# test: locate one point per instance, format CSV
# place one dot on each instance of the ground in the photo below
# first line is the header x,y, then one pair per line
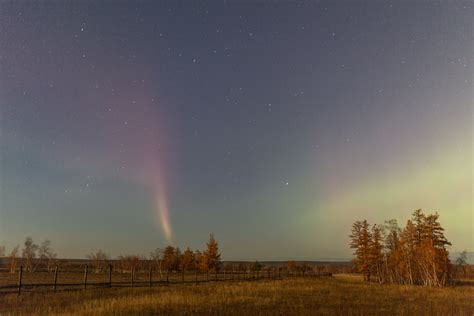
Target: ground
x,y
341,294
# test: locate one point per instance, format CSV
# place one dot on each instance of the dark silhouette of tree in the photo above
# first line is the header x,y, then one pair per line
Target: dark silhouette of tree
x,y
29,253
257,266
461,263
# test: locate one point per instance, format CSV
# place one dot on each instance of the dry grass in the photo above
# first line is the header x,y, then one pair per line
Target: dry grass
x,y
343,295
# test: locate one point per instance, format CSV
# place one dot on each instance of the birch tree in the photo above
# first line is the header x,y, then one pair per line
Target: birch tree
x,y
13,258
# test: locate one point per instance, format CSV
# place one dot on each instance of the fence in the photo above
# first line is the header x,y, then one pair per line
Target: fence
x,y
87,279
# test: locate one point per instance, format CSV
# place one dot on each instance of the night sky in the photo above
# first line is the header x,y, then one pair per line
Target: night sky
x,y
126,126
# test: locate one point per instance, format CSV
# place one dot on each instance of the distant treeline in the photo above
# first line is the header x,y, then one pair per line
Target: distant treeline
x,y
169,259
416,254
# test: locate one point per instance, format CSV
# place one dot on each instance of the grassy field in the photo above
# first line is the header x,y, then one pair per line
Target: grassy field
x,y
342,294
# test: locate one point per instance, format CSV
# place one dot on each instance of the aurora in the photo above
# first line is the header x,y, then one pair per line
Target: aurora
x,y
128,127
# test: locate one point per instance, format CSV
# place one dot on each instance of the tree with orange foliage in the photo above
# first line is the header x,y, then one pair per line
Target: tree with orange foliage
x,y
188,261
211,258
415,255
376,255
291,266
360,241
169,258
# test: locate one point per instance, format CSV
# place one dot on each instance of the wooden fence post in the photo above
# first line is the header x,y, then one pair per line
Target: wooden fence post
x,y
279,272
182,276
238,274
196,276
85,277
207,275
20,274
232,274
55,278
216,274
110,275
131,276
224,274
150,276
167,277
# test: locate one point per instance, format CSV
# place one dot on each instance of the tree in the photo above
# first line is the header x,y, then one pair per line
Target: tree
x,y
376,255
461,262
45,253
29,253
156,257
13,256
393,250
211,258
198,259
257,266
98,260
188,261
409,241
169,258
417,254
130,262
431,265
360,241
291,266
2,251
178,255
305,268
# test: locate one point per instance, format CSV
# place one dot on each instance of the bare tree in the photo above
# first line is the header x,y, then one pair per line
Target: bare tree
x,y
98,260
157,260
13,256
461,263
2,251
29,253
46,254
130,263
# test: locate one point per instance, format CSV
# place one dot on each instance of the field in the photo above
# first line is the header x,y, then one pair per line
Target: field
x,y
341,294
